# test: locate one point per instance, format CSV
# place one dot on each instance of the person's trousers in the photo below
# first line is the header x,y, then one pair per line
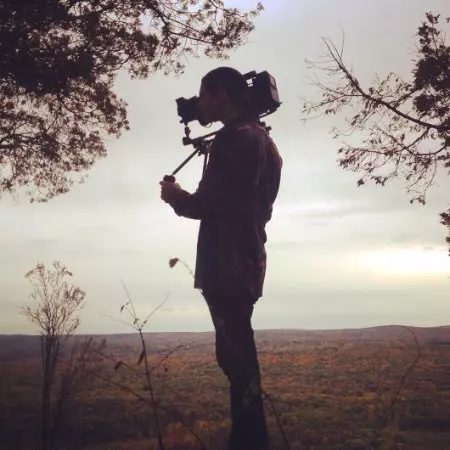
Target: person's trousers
x,y
237,357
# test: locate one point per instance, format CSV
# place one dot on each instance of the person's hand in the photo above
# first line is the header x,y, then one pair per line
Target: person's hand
x,y
168,189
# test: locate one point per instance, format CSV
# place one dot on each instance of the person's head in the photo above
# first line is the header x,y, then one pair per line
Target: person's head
x,y
224,96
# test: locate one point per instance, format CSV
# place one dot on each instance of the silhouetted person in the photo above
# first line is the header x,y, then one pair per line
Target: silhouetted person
x,y
234,202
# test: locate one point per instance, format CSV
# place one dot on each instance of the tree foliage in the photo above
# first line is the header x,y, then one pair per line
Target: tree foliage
x,y
405,124
59,62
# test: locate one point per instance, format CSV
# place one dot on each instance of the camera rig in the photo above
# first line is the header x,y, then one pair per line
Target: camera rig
x,y
264,100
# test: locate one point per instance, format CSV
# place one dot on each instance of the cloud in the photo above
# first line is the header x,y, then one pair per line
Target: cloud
x,y
115,226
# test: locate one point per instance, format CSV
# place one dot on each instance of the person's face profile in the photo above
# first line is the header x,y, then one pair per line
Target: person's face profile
x,y
210,105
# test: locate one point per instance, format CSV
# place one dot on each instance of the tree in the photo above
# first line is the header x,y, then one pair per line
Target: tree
x,y
55,315
406,124
59,62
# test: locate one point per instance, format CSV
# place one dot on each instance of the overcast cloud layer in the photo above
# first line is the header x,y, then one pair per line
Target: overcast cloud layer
x,y
338,256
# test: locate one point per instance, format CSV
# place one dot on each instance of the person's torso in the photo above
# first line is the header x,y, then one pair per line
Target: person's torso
x,y
231,247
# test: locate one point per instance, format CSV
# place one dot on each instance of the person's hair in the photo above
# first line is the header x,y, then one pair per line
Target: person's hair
x,y
234,84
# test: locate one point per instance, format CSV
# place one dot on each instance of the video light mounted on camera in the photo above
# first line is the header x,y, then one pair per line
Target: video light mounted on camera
x,y
264,100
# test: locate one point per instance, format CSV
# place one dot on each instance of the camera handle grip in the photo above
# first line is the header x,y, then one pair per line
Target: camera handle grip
x,y
169,178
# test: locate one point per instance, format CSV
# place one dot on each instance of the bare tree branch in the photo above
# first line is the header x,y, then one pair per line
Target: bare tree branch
x,y
405,125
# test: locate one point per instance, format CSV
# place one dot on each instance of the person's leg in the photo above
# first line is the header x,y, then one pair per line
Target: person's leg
x,y
237,356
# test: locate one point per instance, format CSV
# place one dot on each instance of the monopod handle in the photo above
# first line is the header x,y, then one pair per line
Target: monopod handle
x,y
169,178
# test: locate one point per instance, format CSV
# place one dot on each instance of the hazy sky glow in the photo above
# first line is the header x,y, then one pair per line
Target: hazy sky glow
x,y
338,256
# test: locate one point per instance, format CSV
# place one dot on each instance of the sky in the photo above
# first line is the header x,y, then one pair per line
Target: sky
x,y
338,256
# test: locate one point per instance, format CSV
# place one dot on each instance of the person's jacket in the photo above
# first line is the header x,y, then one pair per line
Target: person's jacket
x,y
234,202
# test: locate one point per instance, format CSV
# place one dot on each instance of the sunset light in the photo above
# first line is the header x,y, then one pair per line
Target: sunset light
x,y
406,262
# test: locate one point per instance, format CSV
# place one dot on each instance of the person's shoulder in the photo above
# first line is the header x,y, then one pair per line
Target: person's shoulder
x,y
244,131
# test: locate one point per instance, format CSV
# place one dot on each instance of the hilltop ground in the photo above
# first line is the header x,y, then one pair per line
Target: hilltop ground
x,y
331,390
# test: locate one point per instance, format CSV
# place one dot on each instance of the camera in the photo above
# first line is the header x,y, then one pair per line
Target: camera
x,y
264,99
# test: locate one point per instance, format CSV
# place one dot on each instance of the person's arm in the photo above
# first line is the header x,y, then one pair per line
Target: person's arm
x,y
186,204
227,188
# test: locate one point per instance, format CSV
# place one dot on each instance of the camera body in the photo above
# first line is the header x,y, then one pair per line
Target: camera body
x,y
264,98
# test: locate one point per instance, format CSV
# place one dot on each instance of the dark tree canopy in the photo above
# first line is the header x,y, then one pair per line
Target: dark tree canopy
x,y
59,62
406,124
